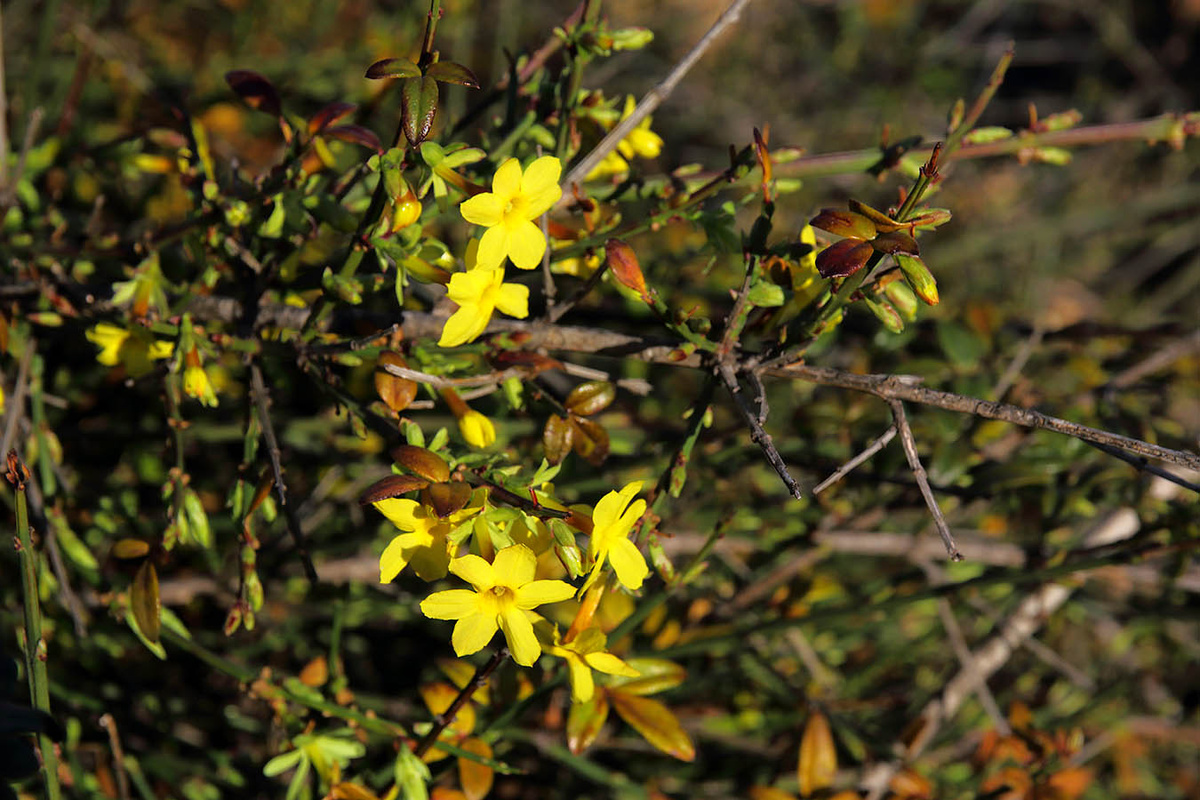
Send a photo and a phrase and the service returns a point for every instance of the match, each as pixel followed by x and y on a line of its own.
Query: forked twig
pixel 914 463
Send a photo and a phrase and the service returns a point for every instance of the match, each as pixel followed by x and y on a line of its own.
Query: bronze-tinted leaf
pixel 585 721
pixel 446 498
pixel 590 398
pixel 393 68
pixel 418 107
pixel 315 672
pixel 130 548
pixel 883 223
pixel 420 461
pixel 526 359
pixel 818 757
pixel 452 72
pixel 844 223
pixel 255 90
pixel 144 601
pixel 355 134
pixel 843 258
pixel 591 440
pixel 475 778
pixel 391 486
pixel 393 390
pixel 328 116
pixel 656 723
pixel 896 242
pixel 623 263
pixel 558 437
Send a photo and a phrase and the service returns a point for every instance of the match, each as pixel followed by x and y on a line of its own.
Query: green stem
pixel 569 97
pixel 584 767
pixel 35 646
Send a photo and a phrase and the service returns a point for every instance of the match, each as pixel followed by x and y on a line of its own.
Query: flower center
pixel 503 594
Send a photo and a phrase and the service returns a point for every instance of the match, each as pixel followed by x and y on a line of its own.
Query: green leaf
pixel 418 106
pixel 412 775
pixel 197 519
pixel 282 763
pixel 393 68
pixel 452 72
pixel 765 294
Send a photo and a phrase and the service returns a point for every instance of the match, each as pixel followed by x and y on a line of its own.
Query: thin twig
pixel 1018 363
pixel 16 404
pixel 262 404
pixel 845 469
pixel 1156 361
pixel 1140 463
pixel 118 755
pixel 918 471
pixel 8 190
pixel 757 434
pixel 655 96
pixel 445 718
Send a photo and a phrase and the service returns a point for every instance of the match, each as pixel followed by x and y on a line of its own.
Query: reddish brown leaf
pixel 393 68
pixel 558 437
pixel 393 390
pixel 656 723
pixel 585 721
pixel 255 90
pixel 452 72
pixel 391 486
pixel 355 134
pixel 315 672
pixel 844 223
pixel 446 498
pixel 590 398
pixel 895 242
pixel 419 461
pixel 328 116
pixel 591 440
pixel 144 601
pixel 843 258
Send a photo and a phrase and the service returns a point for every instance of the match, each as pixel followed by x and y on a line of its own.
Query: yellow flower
pixel 584 654
pixel 641 142
pixel 477 429
pixel 479 293
pixel 612 523
pixel 196 384
pixel 509 210
pixel 505 593
pixel 424 544
pixel 135 349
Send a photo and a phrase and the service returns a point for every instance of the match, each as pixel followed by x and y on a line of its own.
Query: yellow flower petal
pixel 610 664
pixel 526 244
pixel 629 563
pixel 395 557
pixel 540 186
pixel 609 509
pixel 513 299
pixel 401 512
pixel 518 630
pixel 451 604
pixel 507 181
pixel 534 594
pixel 483 209
pixel 582 685
pixel 471 634
pixel 464 325
pixel 514 567
pixel 475 571
pixel 477 429
pixel 431 561
pixel 493 247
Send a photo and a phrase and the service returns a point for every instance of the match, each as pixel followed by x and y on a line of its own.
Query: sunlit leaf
pixel 590 398
pixel 393 390
pixel 656 723
pixel 144 601
pixel 818 756
pixel 393 68
pixel 419 461
pixel 585 721
pixel 475 778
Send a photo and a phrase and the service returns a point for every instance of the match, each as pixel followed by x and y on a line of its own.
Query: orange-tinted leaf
pixel 393 390
pixel 393 68
pixel 391 486
pixel 623 263
pixel 769 793
pixel 844 223
pixel 451 72
pixel 591 440
pixel 475 778
pixel 590 398
pixel 446 793
pixel 843 258
pixel 557 438
pixel 438 697
pixel 355 134
pixel 351 791
pixel 907 783
pixel 329 115
pixel 254 89
pixel 585 721
pixel 418 107
pixel 420 461
pixel 1071 782
pixel 130 548
pixel 656 675
pixel 446 498
pixel 818 757
pixel 656 723
pixel 144 601
pixel 883 223
pixel 315 672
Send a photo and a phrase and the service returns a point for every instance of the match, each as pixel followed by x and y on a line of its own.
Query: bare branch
pixel 845 469
pixel 914 463
pixel 757 434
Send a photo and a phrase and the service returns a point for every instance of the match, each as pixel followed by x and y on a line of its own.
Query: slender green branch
pixel 35 645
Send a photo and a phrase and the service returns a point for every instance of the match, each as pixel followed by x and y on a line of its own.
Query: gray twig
pixel 914 463
pixel 757 434
pixel 845 469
